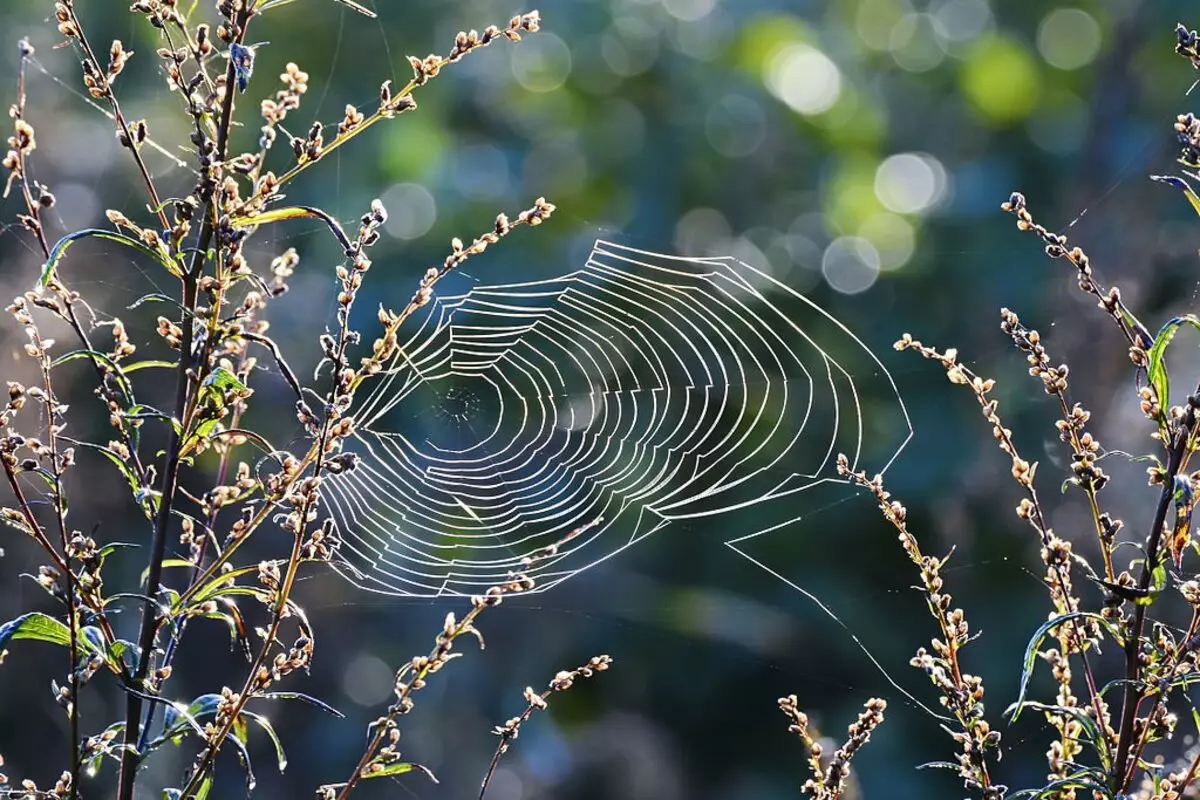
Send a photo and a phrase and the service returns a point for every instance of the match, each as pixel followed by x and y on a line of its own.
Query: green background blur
pixel 859 150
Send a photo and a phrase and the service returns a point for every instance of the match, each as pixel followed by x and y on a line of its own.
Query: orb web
pixel 589 411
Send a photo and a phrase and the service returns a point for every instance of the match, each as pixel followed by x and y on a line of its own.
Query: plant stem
pixel 1132 692
pixel 170 478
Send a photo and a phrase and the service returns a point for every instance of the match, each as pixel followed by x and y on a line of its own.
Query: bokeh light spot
pixel 481 172
pixel 804 78
pixel 411 210
pixel 1060 123
pixel 1000 79
pixel 893 238
pixel 689 9
pixel 701 231
pixel 557 167
pixel 915 44
pixel 412 150
pixel 542 63
pixel 910 183
pixel 505 785
pixel 960 20
pixel 735 126
pixel 1069 38
pixel 702 39
pixel 630 46
pixel 875 20
pixel 368 680
pixel 850 264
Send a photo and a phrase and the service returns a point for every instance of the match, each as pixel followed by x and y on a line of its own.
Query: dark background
pixel 705 127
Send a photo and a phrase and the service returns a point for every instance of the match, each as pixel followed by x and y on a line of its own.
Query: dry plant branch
pixel 829 774
pixel 538 701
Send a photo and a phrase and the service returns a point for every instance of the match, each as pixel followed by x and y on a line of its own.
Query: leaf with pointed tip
pixel 1156 365
pixel 398 768
pixel 95 355
pixel 1182 185
pixel 1035 644
pixel 294 212
pixel 35 625
pixel 265 724
pixel 60 248
pixel 321 704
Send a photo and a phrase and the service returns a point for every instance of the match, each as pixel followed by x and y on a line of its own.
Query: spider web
pixel 562 421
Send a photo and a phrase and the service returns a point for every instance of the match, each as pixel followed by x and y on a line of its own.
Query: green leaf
pixel 1090 731
pixel 1035 644
pixel 201 791
pixel 110 548
pixel 218 583
pixel 398 768
pixel 224 380
pixel 159 297
pixel 1156 369
pixel 321 704
pixel 178 563
pixel 1158 583
pixel 116 654
pixel 134 486
pixel 265 724
pixel 149 364
pixel 1181 185
pixel 96 355
pixel 60 249
pixel 211 397
pixel 295 212
pixel 35 625
pixel 233 619
pixel 1084 779
pixel 240 730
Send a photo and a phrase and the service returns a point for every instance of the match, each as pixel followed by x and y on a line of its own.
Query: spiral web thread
pixel 590 411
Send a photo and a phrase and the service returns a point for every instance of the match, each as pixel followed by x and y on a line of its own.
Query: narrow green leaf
pixel 1054 789
pixel 1181 185
pixel 206 787
pixel 295 212
pixel 96 355
pixel 321 704
pixel 149 364
pixel 1035 644
pixel 1090 731
pixel 399 768
pixel 174 563
pixel 117 461
pixel 61 246
pixel 1156 365
pixel 219 582
pixel 265 724
pixel 110 548
pixel 159 297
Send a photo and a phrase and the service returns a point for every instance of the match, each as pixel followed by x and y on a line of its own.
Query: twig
pixel 536 701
